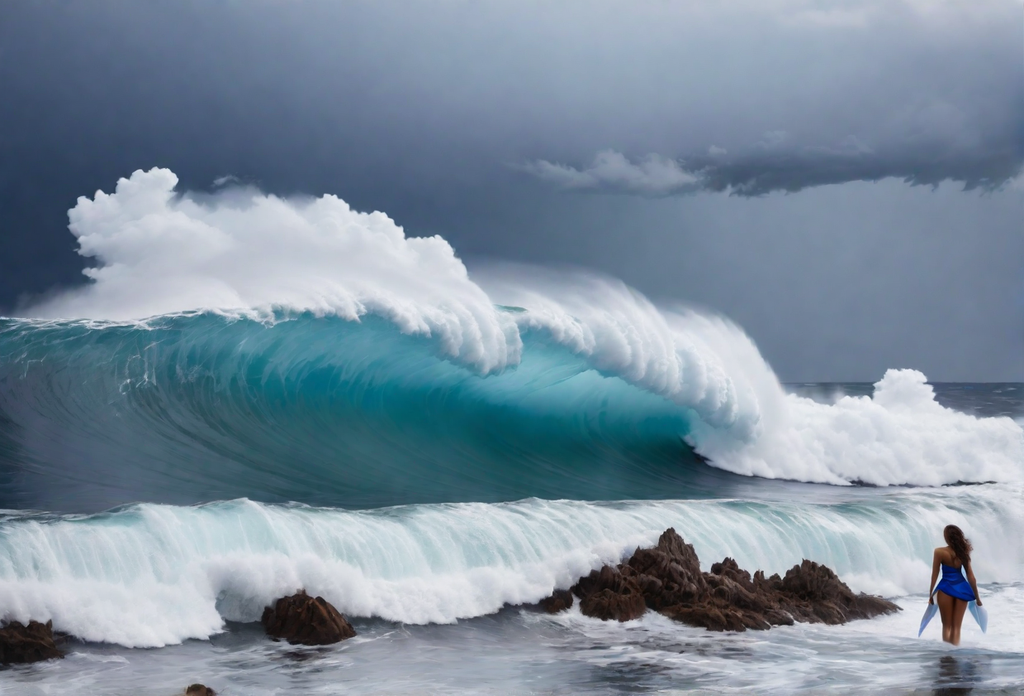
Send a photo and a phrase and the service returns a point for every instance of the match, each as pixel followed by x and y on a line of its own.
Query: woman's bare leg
pixel 959 608
pixel 945 603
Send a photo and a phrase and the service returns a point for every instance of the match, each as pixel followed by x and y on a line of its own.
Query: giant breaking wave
pixel 240 344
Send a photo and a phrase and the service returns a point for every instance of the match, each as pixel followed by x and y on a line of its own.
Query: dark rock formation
pixel 818 595
pixel 32 643
pixel 560 600
pixel 304 620
pixel 199 690
pixel 668 579
pixel 608 594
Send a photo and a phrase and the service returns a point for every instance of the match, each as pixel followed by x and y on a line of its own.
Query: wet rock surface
pixel 560 600
pixel 609 594
pixel 668 579
pixel 20 644
pixel 304 620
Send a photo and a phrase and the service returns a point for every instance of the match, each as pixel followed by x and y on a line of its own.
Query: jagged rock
pixel 669 574
pixel 32 643
pixel 668 579
pixel 825 598
pixel 559 600
pixel 199 690
pixel 304 620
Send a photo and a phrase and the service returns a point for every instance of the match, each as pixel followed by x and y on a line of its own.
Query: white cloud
pixel 654 175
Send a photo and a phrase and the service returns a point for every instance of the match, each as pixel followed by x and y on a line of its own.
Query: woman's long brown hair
pixel 960 544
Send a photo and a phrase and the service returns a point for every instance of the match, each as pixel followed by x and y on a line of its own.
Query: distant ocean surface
pixel 433 452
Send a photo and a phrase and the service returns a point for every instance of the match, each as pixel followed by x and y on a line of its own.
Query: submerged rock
pixel 559 600
pixel 668 579
pixel 199 690
pixel 33 643
pixel 304 620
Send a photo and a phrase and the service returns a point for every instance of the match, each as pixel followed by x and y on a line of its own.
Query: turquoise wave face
pixel 199 407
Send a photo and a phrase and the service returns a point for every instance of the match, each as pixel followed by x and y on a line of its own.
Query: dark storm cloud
pixel 988 166
pixel 792 171
pixel 444 114
pixel 923 92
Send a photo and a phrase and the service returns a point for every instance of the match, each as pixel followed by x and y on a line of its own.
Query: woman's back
pixel 948 557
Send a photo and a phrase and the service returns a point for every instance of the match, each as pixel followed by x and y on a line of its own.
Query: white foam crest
pixel 156 575
pixel 241 250
pixel 161 253
pixel 682 356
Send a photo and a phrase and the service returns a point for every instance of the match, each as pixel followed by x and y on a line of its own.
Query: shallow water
pixel 520 651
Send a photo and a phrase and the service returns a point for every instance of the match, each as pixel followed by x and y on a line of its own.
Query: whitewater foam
pixel 241 251
pixel 900 435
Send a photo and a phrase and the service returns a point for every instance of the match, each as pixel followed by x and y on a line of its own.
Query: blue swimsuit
pixel 955 584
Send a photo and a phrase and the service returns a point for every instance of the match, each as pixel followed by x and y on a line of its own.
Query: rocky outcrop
pixel 559 600
pixel 199 690
pixel 304 620
pixel 668 579
pixel 32 643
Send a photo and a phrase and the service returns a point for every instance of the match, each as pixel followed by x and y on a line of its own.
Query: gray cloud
pixel 776 165
pixel 652 175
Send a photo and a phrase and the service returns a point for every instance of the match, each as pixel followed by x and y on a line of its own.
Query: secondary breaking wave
pixel 151 575
pixel 244 345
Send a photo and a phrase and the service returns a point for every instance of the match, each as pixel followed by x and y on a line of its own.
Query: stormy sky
pixel 843 179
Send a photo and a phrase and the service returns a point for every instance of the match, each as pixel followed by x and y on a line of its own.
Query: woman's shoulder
pixel 942 552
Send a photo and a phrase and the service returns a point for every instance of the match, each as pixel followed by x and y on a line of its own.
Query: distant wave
pixel 239 344
pixel 152 575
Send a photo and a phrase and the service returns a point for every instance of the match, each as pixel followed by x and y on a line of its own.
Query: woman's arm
pixel 935 576
pixel 974 584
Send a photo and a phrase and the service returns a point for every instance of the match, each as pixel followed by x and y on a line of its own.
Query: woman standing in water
pixel 953 592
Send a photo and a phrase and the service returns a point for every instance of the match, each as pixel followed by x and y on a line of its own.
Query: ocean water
pixel 229 420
